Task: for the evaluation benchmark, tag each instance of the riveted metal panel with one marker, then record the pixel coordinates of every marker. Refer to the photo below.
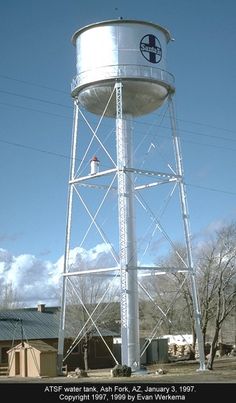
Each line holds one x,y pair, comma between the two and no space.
127,50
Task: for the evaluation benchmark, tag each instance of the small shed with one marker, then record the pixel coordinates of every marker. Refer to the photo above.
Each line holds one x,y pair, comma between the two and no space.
157,351
32,359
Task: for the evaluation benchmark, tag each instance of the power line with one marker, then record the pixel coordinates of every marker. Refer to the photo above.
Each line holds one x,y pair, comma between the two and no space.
34,110
212,189
207,125
33,84
34,149
64,92
208,145
68,157
189,131
146,123
34,99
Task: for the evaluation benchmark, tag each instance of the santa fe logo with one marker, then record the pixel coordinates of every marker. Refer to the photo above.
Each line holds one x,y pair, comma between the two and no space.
150,48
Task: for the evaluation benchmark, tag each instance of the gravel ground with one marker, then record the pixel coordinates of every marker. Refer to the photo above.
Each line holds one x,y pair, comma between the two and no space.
179,372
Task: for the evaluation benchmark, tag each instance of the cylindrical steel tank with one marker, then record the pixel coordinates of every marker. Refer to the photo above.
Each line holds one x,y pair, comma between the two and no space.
128,50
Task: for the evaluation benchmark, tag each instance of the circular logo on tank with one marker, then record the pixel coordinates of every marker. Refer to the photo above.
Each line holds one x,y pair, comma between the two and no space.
150,48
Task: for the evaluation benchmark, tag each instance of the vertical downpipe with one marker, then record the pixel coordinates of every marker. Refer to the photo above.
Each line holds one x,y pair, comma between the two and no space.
130,349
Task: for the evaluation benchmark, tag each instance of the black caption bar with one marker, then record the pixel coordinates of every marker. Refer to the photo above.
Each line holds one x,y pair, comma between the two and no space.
111,392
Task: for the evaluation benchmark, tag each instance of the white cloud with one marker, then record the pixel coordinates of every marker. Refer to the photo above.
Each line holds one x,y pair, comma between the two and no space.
214,226
38,281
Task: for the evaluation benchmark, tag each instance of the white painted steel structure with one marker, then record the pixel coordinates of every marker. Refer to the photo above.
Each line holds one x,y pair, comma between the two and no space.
122,50
121,73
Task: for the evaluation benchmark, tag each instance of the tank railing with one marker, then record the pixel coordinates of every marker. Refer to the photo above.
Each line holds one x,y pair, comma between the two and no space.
125,71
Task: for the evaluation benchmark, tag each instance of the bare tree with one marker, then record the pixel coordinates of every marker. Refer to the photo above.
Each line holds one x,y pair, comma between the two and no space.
9,297
172,294
89,308
218,278
164,307
215,268
183,287
207,285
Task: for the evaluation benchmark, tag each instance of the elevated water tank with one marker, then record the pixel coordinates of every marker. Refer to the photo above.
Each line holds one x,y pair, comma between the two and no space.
128,50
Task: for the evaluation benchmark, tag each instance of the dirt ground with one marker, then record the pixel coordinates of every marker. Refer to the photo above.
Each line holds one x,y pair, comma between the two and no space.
178,372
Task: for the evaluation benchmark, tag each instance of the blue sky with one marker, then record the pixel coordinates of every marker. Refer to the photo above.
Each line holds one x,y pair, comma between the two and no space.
36,69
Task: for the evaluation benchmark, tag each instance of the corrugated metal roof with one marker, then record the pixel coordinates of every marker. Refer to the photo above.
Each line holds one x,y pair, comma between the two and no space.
37,325
33,324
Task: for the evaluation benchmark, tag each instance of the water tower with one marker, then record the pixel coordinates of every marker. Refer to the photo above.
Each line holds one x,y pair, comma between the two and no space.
121,75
